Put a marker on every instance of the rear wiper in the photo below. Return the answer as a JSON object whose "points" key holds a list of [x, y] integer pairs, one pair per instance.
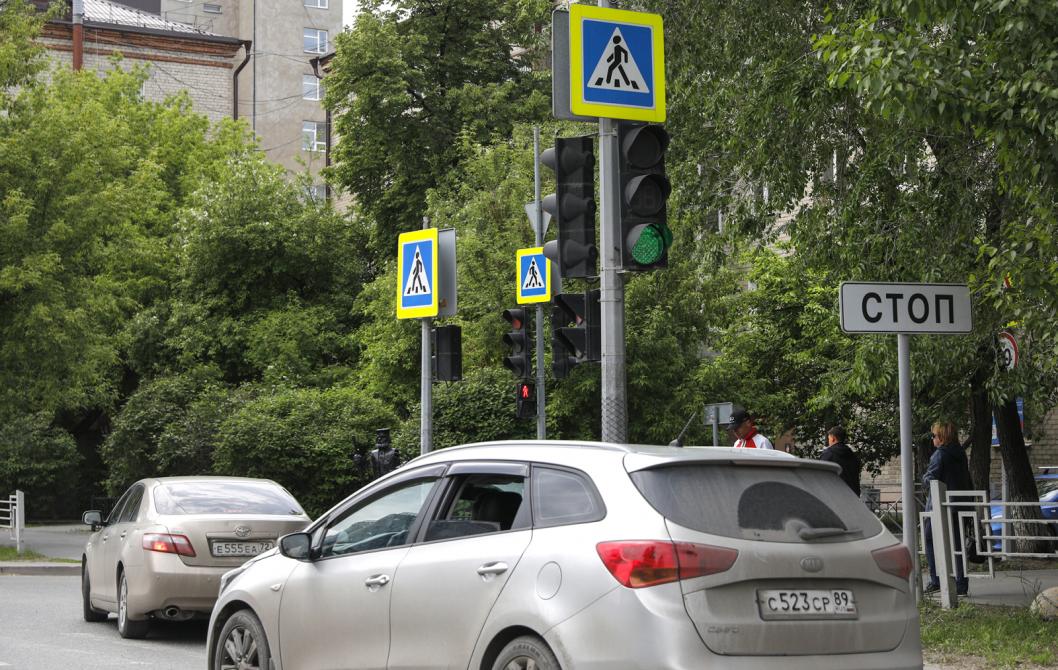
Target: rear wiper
{"points": [[819, 533]]}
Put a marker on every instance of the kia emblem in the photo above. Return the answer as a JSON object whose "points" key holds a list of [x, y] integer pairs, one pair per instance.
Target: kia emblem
{"points": [[243, 531], [812, 563]]}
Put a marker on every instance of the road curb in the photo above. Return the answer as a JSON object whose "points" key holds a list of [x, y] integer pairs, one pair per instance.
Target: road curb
{"points": [[39, 568]]}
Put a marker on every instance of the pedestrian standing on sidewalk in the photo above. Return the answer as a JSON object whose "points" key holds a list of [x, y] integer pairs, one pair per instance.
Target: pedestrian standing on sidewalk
{"points": [[745, 430], [839, 452], [947, 464]]}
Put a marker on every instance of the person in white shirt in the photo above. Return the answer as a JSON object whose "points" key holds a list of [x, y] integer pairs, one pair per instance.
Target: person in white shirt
{"points": [[745, 430]]}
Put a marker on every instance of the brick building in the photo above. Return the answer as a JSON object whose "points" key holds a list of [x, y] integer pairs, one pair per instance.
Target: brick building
{"points": [[181, 58]]}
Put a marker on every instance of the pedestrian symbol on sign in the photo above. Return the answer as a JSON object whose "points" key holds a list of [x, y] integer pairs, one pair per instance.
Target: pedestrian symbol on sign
{"points": [[418, 282], [617, 68], [532, 277]]}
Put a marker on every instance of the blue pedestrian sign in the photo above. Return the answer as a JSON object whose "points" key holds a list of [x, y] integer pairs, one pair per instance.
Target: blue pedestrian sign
{"points": [[534, 276], [417, 274], [617, 67]]}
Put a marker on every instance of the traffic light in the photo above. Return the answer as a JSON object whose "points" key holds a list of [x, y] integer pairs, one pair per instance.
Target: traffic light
{"points": [[525, 400], [520, 360], [448, 353], [581, 343], [572, 205], [645, 234]]}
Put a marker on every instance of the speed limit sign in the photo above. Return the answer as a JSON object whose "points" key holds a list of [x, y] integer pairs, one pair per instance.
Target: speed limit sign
{"points": [[1008, 350]]}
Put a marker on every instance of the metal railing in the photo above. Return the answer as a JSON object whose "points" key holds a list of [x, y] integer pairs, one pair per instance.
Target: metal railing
{"points": [[973, 510], [13, 517]]}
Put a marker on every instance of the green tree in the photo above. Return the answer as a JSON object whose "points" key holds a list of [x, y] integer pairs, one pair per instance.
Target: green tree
{"points": [[413, 77]]}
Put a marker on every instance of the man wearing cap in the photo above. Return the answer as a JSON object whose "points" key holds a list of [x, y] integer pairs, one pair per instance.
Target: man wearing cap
{"points": [[745, 429]]}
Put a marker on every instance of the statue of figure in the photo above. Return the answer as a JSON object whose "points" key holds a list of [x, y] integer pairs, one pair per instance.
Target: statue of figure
{"points": [[384, 458]]}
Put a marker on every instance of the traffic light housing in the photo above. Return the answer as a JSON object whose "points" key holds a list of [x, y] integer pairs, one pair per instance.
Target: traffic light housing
{"points": [[580, 343], [645, 234], [519, 360], [525, 400], [572, 205], [448, 353]]}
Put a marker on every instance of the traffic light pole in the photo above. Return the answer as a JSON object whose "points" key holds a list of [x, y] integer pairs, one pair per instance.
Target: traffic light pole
{"points": [[538, 230], [611, 285]]}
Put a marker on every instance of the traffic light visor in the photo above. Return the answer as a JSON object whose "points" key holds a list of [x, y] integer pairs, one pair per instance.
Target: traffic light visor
{"points": [[515, 317], [645, 146]]}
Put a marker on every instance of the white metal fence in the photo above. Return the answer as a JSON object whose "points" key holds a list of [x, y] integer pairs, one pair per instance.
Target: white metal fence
{"points": [[13, 517], [958, 517]]}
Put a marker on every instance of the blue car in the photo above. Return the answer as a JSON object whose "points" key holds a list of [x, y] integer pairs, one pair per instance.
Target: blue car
{"points": [[1047, 484]]}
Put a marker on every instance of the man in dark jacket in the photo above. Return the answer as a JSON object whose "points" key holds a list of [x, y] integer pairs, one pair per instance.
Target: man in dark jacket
{"points": [[947, 464], [840, 453]]}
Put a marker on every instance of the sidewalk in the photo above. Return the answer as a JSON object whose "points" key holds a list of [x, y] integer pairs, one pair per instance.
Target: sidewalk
{"points": [[63, 541], [1013, 588]]}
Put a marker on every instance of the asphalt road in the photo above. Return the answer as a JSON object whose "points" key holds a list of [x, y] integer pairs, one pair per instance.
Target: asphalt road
{"points": [[54, 541], [41, 628]]}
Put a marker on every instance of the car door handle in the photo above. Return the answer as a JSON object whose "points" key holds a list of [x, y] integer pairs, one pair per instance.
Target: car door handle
{"points": [[376, 581], [494, 568], [123, 534]]}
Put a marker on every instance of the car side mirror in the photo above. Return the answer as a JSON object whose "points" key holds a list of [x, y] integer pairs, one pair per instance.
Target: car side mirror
{"points": [[297, 546], [93, 518]]}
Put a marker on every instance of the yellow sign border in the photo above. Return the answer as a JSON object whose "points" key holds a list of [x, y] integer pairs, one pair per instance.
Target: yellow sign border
{"points": [[577, 14], [405, 239], [529, 300]]}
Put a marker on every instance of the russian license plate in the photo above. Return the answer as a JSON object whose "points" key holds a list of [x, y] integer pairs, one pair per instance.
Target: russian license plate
{"points": [[240, 548], [807, 604]]}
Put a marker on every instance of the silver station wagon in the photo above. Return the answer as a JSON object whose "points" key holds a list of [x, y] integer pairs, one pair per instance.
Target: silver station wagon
{"points": [[546, 555]]}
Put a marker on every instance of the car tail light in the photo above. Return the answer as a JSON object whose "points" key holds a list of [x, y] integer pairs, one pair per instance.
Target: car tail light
{"points": [[168, 544], [639, 563], [896, 560]]}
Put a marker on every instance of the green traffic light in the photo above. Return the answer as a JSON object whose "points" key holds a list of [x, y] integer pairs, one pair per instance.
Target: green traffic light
{"points": [[649, 247]]}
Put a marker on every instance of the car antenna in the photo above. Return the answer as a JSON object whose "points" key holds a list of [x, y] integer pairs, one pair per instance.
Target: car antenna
{"points": [[678, 442]]}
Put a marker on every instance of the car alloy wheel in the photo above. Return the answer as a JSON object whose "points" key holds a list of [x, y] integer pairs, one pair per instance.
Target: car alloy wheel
{"points": [[128, 628], [526, 653], [242, 644]]}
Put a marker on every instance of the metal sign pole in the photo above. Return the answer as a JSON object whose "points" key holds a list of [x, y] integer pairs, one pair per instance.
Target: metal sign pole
{"points": [[611, 294], [907, 470], [538, 230], [426, 386]]}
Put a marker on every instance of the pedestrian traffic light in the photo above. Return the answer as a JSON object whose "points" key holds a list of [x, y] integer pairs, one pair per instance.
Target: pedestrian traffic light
{"points": [[572, 205], [520, 360], [580, 343], [447, 353], [525, 400], [645, 234]]}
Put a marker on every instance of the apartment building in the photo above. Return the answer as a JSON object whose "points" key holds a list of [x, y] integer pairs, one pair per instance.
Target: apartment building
{"points": [[279, 93]]}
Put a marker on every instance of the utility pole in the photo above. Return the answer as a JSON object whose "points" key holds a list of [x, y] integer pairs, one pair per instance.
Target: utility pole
{"points": [[78, 34], [426, 384]]}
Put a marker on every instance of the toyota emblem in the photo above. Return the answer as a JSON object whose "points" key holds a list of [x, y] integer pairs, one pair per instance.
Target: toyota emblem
{"points": [[243, 531], [812, 563]]}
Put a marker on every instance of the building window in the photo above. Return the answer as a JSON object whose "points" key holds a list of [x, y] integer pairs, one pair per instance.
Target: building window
{"points": [[313, 136], [316, 193], [212, 9], [311, 87], [315, 41], [318, 4]]}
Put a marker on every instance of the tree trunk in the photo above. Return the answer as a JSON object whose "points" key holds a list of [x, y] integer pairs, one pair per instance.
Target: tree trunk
{"points": [[980, 435], [1021, 486]]}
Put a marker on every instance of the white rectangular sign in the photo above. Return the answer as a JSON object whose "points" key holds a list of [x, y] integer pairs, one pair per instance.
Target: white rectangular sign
{"points": [[940, 309]]}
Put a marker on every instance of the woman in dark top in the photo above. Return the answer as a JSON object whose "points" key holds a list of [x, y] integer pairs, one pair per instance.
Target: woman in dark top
{"points": [[947, 464]]}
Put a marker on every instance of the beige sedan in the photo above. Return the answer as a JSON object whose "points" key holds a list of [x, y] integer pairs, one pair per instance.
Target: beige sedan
{"points": [[161, 551]]}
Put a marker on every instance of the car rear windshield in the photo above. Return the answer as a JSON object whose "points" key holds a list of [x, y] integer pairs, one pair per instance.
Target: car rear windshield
{"points": [[224, 498], [772, 504]]}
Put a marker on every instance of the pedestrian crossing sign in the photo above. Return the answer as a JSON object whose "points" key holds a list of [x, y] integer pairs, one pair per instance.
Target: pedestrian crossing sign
{"points": [[534, 276], [617, 68], [417, 274]]}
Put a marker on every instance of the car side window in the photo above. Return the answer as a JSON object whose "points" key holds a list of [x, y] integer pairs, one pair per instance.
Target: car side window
{"points": [[381, 522], [564, 497], [118, 508], [481, 503], [132, 505]]}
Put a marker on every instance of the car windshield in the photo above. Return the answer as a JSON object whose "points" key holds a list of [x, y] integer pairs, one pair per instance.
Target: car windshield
{"points": [[771, 504], [224, 498]]}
